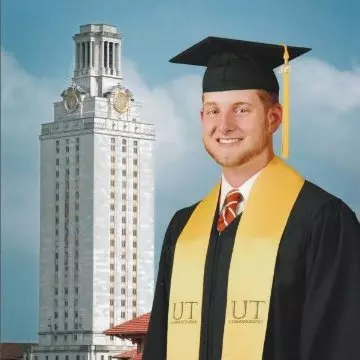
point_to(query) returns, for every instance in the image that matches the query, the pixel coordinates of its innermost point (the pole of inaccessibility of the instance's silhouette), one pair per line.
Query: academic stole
(251, 270)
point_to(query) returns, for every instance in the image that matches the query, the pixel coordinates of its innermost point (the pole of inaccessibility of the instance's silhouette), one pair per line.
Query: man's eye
(241, 110)
(212, 112)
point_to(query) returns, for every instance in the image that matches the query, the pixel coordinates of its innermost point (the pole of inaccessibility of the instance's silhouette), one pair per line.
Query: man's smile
(228, 141)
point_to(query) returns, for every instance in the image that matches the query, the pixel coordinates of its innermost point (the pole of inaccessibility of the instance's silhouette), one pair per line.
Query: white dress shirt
(244, 190)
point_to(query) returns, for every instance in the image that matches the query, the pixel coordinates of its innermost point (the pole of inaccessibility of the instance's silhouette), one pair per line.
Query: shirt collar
(244, 189)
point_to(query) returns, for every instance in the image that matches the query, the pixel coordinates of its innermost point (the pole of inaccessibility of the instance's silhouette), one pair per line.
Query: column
(106, 55)
(91, 54)
(114, 59)
(101, 57)
(78, 57)
(119, 64)
(86, 55)
(81, 60)
(75, 57)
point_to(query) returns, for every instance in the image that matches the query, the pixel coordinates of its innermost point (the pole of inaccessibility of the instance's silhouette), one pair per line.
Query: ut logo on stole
(246, 312)
(183, 312)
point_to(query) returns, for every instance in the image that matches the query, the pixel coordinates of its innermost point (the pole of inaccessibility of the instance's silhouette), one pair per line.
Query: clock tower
(96, 207)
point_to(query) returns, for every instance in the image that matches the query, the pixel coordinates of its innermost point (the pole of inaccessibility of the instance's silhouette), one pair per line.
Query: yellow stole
(251, 270)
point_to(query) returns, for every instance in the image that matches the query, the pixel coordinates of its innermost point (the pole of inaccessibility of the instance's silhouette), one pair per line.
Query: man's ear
(275, 118)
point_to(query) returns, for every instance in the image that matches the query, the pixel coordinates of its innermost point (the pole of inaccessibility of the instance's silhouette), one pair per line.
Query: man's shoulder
(317, 194)
(182, 215)
(177, 224)
(315, 201)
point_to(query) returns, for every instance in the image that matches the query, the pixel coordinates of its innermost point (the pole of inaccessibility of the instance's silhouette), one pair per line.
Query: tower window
(111, 51)
(106, 64)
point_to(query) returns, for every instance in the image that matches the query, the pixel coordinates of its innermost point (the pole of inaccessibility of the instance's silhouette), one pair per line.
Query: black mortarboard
(240, 65)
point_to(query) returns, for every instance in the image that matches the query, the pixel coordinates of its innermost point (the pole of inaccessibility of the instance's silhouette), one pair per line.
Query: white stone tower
(97, 207)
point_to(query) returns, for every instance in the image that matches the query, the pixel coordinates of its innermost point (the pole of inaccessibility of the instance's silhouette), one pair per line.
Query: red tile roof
(137, 357)
(135, 328)
(12, 351)
(126, 354)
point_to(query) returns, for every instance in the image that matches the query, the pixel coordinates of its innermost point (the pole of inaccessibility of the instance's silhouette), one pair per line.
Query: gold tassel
(286, 106)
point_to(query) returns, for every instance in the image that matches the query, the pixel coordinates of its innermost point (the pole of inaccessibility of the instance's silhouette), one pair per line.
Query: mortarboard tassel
(286, 114)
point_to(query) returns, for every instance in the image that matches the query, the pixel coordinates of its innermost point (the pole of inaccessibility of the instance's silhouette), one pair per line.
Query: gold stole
(251, 270)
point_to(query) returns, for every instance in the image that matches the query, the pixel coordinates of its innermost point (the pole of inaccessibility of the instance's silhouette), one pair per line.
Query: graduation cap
(240, 65)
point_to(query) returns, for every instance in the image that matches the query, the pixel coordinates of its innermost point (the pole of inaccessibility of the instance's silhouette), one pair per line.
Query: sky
(37, 64)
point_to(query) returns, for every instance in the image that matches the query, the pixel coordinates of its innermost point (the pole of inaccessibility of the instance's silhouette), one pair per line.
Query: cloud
(166, 106)
(324, 123)
(322, 86)
(174, 109)
(26, 103)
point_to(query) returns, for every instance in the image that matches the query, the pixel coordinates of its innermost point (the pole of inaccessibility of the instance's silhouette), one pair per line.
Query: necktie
(228, 214)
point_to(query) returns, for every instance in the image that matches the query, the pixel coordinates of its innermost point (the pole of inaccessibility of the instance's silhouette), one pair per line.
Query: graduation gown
(314, 311)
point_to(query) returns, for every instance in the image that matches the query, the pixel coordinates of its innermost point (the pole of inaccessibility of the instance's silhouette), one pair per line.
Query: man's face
(236, 126)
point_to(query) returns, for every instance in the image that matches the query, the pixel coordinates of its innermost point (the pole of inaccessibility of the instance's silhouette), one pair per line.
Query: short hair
(268, 98)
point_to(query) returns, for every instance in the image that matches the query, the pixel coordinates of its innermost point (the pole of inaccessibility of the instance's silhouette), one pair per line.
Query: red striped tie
(228, 214)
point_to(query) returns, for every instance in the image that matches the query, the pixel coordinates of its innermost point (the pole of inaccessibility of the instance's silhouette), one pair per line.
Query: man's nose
(226, 123)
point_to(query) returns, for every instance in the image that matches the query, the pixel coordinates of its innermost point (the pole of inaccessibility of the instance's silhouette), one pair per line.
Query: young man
(267, 265)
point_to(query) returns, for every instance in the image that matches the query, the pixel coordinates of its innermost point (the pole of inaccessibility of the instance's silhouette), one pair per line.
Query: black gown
(314, 311)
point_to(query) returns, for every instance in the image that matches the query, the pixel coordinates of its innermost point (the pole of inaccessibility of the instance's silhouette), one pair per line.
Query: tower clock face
(121, 102)
(71, 100)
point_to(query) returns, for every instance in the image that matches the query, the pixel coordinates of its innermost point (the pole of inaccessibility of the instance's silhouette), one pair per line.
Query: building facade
(97, 207)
